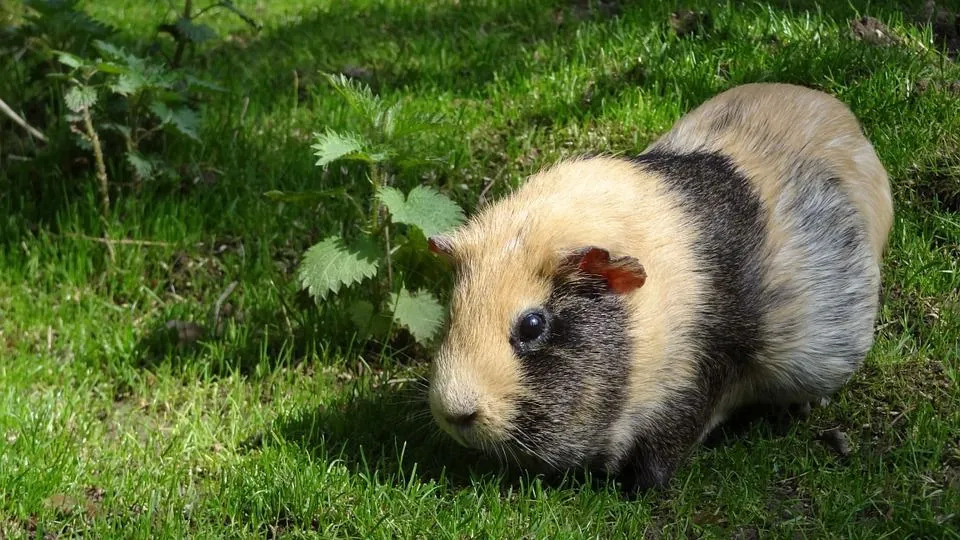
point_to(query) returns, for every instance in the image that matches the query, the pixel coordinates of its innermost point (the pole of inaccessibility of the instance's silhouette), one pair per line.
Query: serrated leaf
(426, 208)
(183, 119)
(395, 202)
(414, 124)
(419, 312)
(111, 68)
(110, 50)
(361, 312)
(367, 319)
(332, 264)
(194, 81)
(195, 32)
(387, 119)
(127, 84)
(70, 60)
(81, 97)
(359, 97)
(143, 167)
(186, 121)
(331, 146)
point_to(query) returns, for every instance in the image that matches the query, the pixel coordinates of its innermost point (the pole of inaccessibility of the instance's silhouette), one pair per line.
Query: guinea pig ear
(441, 245)
(622, 274)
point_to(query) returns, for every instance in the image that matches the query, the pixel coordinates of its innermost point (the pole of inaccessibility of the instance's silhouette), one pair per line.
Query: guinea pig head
(535, 363)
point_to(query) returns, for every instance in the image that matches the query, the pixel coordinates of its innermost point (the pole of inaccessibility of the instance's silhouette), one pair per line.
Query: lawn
(285, 423)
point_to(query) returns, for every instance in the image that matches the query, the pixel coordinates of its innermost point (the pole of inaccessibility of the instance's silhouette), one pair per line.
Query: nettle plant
(389, 253)
(186, 31)
(133, 97)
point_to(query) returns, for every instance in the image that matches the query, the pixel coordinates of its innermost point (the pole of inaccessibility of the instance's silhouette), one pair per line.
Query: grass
(284, 424)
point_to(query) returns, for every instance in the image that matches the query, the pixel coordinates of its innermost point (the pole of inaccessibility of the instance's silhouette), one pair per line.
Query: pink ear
(441, 245)
(623, 274)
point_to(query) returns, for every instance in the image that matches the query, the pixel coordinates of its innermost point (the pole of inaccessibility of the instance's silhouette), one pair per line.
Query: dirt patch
(922, 313)
(746, 533)
(923, 86)
(945, 25)
(690, 23)
(595, 9)
(940, 184)
(64, 504)
(788, 500)
(888, 399)
(874, 32)
(835, 440)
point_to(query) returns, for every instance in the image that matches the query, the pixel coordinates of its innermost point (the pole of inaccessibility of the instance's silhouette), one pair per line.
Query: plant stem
(20, 121)
(181, 39)
(98, 157)
(386, 235)
(375, 204)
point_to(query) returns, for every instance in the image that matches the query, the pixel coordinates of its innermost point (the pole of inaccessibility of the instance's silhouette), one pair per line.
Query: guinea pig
(611, 311)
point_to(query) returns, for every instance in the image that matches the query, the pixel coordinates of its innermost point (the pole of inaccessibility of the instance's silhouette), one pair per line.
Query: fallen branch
(17, 119)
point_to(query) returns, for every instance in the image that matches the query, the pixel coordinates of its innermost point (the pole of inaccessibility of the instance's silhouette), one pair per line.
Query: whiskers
(531, 449)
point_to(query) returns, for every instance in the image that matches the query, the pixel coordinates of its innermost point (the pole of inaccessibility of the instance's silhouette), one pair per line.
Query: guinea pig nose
(462, 420)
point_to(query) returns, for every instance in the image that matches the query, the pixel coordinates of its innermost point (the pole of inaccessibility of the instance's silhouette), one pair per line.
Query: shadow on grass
(388, 432)
(395, 45)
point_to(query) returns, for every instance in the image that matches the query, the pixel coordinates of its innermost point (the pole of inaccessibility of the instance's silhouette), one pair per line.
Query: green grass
(284, 424)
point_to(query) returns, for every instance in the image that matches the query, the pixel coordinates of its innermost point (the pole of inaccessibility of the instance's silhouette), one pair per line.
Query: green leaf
(358, 96)
(395, 202)
(197, 82)
(80, 97)
(128, 84)
(184, 119)
(331, 264)
(70, 60)
(331, 146)
(425, 208)
(143, 167)
(311, 196)
(110, 50)
(361, 313)
(119, 128)
(111, 68)
(386, 120)
(368, 320)
(195, 32)
(419, 312)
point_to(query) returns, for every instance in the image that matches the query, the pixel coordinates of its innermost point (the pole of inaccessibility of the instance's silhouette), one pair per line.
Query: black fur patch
(577, 372)
(728, 216)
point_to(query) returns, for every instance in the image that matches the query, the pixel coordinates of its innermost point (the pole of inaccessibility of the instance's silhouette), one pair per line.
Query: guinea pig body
(612, 311)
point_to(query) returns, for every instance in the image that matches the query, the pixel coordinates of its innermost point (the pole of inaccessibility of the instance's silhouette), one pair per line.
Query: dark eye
(531, 326)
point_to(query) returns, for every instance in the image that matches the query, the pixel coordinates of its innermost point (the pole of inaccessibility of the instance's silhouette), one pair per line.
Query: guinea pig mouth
(469, 435)
(508, 448)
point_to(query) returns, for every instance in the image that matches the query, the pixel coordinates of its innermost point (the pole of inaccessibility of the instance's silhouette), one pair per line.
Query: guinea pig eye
(531, 326)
